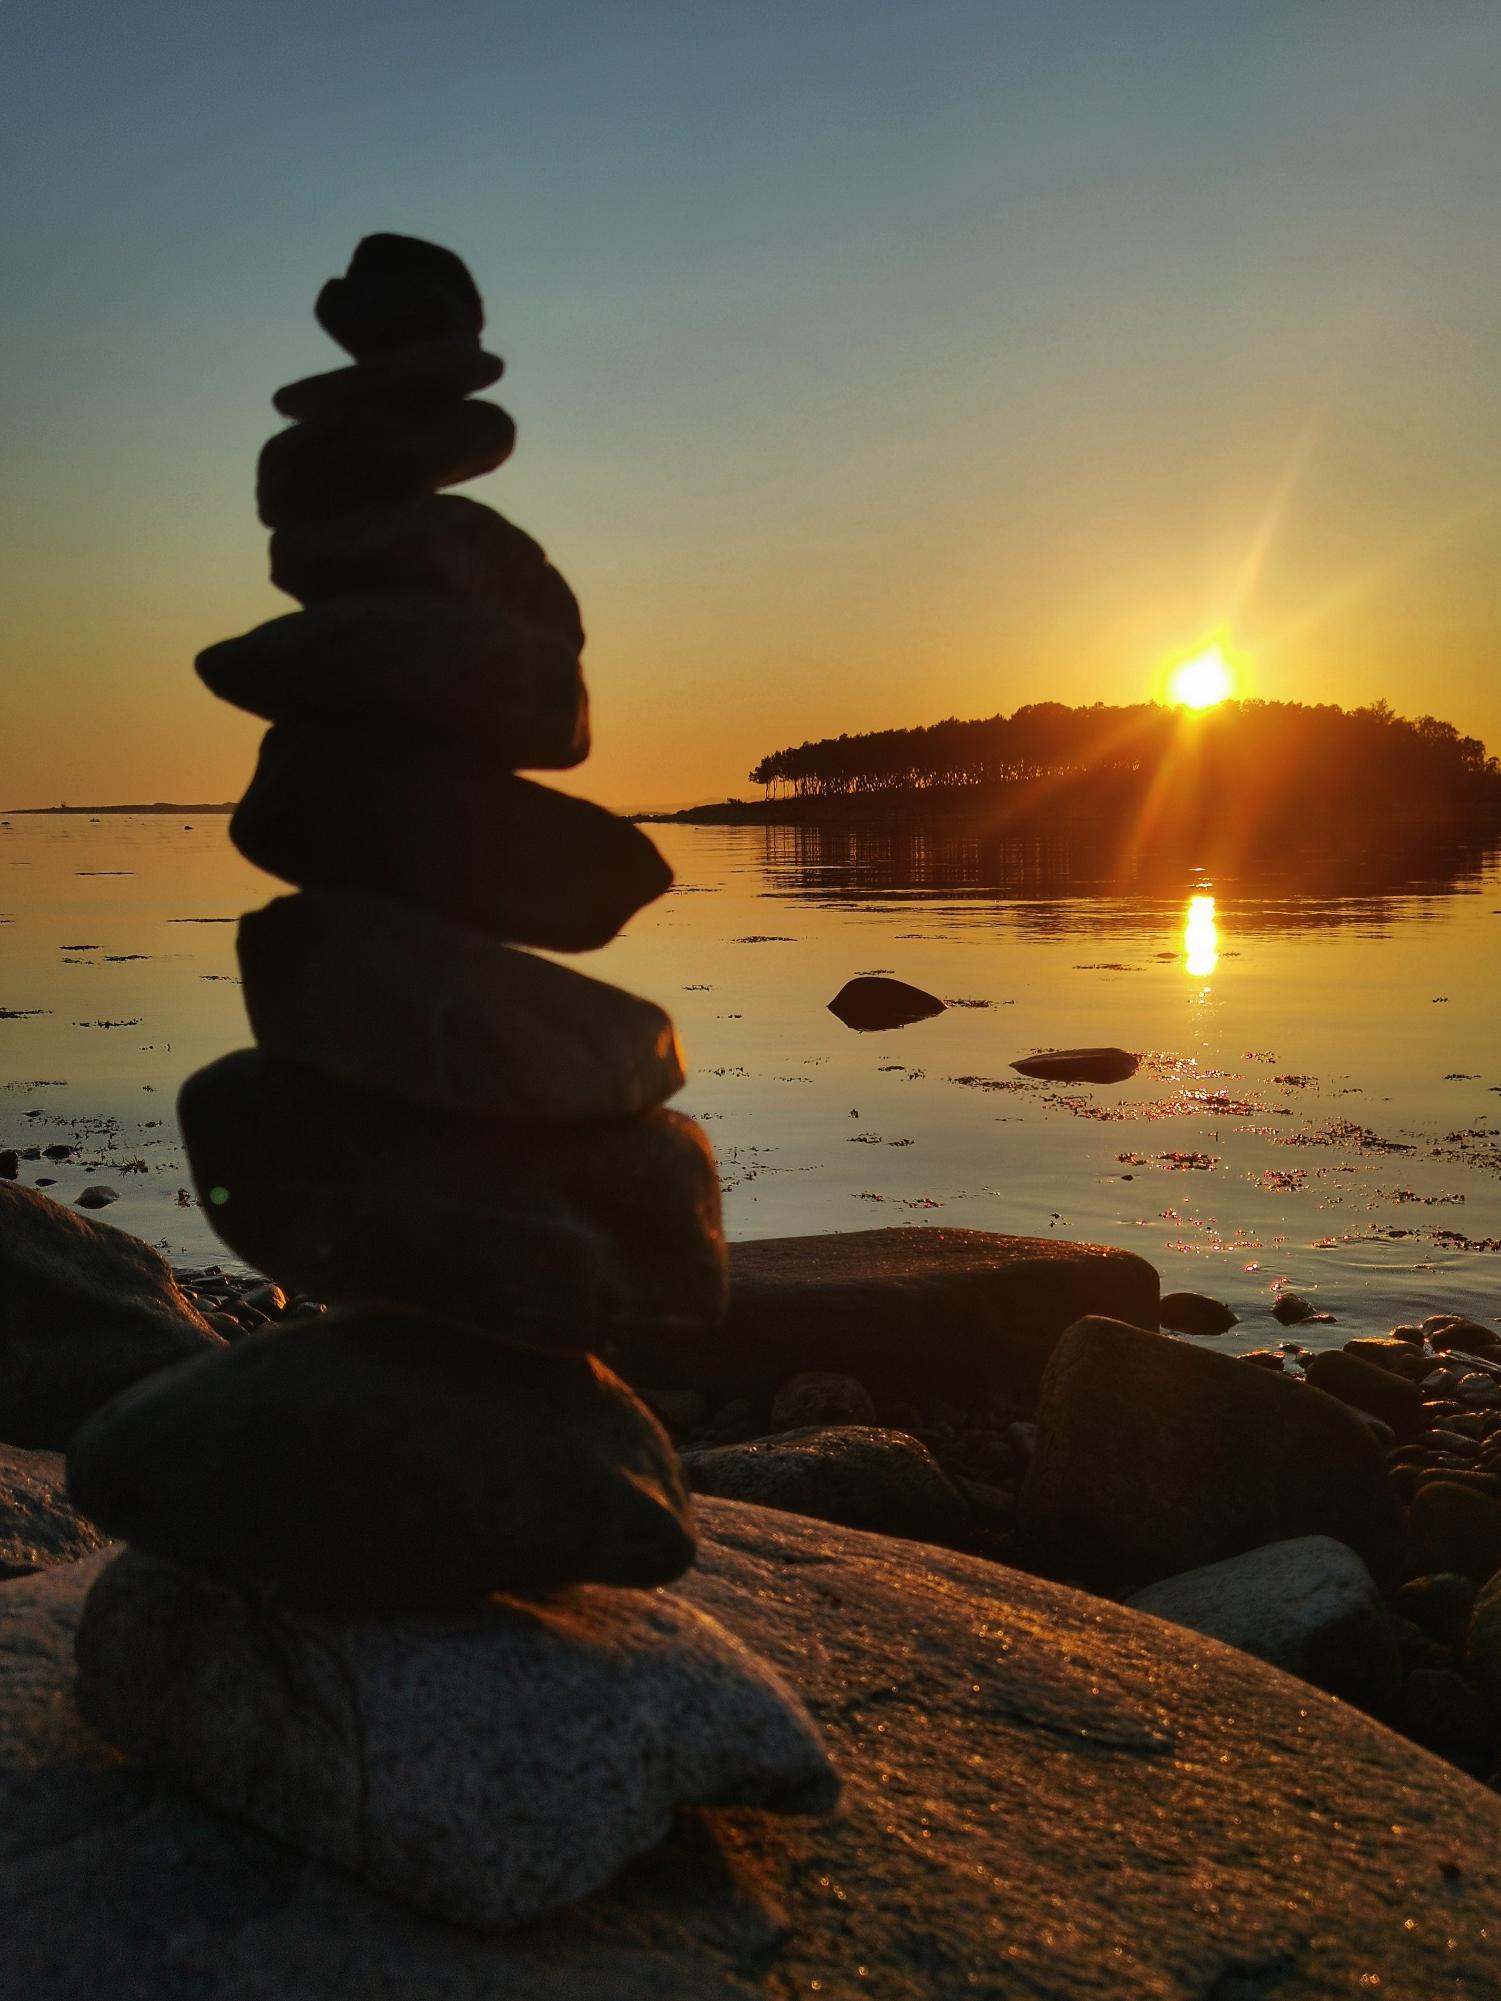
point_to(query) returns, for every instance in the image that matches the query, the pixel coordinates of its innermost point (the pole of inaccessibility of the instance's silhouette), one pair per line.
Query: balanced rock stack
(339, 1616)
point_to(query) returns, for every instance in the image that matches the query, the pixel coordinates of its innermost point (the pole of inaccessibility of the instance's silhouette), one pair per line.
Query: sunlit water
(1319, 1104)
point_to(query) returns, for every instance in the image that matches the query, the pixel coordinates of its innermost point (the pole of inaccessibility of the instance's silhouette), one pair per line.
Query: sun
(1203, 679)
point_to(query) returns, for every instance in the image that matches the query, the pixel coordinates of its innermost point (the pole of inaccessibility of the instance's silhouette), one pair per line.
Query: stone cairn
(462, 1148)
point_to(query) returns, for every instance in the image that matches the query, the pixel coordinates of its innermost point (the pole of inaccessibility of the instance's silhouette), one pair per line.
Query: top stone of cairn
(400, 292)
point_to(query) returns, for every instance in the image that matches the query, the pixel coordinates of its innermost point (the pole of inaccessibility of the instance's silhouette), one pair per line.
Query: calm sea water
(1319, 1105)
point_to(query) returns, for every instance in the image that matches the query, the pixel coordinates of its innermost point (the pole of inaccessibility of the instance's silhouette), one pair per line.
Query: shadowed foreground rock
(38, 1523)
(858, 1475)
(84, 1311)
(1154, 1457)
(1045, 1796)
(962, 1309)
(485, 1768)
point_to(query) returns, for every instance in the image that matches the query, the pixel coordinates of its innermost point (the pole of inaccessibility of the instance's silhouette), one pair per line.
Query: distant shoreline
(158, 806)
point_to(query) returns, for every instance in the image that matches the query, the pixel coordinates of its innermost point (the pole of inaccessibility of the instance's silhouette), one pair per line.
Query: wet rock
(1155, 1457)
(1194, 1313)
(1291, 1309)
(1469, 1335)
(984, 1721)
(370, 1463)
(858, 1476)
(1308, 1606)
(821, 1397)
(577, 1232)
(509, 690)
(84, 1311)
(902, 1309)
(486, 1769)
(328, 809)
(1454, 1526)
(1385, 1395)
(1079, 1066)
(97, 1196)
(872, 1001)
(363, 458)
(38, 1524)
(1398, 1358)
(383, 997)
(400, 292)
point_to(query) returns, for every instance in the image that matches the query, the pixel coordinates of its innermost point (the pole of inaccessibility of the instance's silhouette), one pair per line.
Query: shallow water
(1320, 1103)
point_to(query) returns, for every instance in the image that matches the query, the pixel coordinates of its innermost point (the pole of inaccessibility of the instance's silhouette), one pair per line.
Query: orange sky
(869, 368)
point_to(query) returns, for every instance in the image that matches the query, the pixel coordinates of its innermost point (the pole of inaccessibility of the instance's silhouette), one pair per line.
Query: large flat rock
(1045, 1796)
(961, 1309)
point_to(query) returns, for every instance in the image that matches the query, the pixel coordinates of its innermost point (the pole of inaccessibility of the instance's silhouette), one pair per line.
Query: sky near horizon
(873, 360)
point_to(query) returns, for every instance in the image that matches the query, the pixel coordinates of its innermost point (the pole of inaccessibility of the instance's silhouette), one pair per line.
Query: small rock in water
(486, 1768)
(97, 1196)
(1292, 1309)
(870, 1001)
(374, 1463)
(1195, 1313)
(1079, 1066)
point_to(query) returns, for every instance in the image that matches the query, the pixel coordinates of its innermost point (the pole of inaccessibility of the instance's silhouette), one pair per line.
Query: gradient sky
(874, 360)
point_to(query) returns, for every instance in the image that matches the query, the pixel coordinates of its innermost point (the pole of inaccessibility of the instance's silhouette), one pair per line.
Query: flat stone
(1155, 1457)
(577, 1232)
(85, 1310)
(433, 369)
(400, 291)
(872, 1001)
(38, 1524)
(378, 455)
(1079, 1066)
(1195, 1313)
(331, 810)
(446, 672)
(443, 545)
(857, 1475)
(1037, 1787)
(375, 1463)
(386, 998)
(486, 1768)
(961, 1309)
(1308, 1606)
(1454, 1526)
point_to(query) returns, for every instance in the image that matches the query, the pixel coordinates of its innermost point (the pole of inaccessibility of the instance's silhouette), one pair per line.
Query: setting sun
(1202, 680)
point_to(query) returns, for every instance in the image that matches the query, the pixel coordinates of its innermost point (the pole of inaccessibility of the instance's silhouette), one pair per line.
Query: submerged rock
(1079, 1066)
(871, 1001)
(1308, 1606)
(380, 1463)
(1155, 1457)
(84, 1311)
(1195, 1313)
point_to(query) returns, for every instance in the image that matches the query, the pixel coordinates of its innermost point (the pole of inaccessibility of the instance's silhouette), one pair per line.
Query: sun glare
(1203, 680)
(1201, 938)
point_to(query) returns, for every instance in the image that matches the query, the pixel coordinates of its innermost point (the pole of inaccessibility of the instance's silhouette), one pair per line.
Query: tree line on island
(1187, 763)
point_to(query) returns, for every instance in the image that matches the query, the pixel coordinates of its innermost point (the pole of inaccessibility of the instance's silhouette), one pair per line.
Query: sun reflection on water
(1201, 938)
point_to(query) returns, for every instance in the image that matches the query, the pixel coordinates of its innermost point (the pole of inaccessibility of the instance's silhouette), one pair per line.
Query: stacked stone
(462, 1146)
(457, 1143)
